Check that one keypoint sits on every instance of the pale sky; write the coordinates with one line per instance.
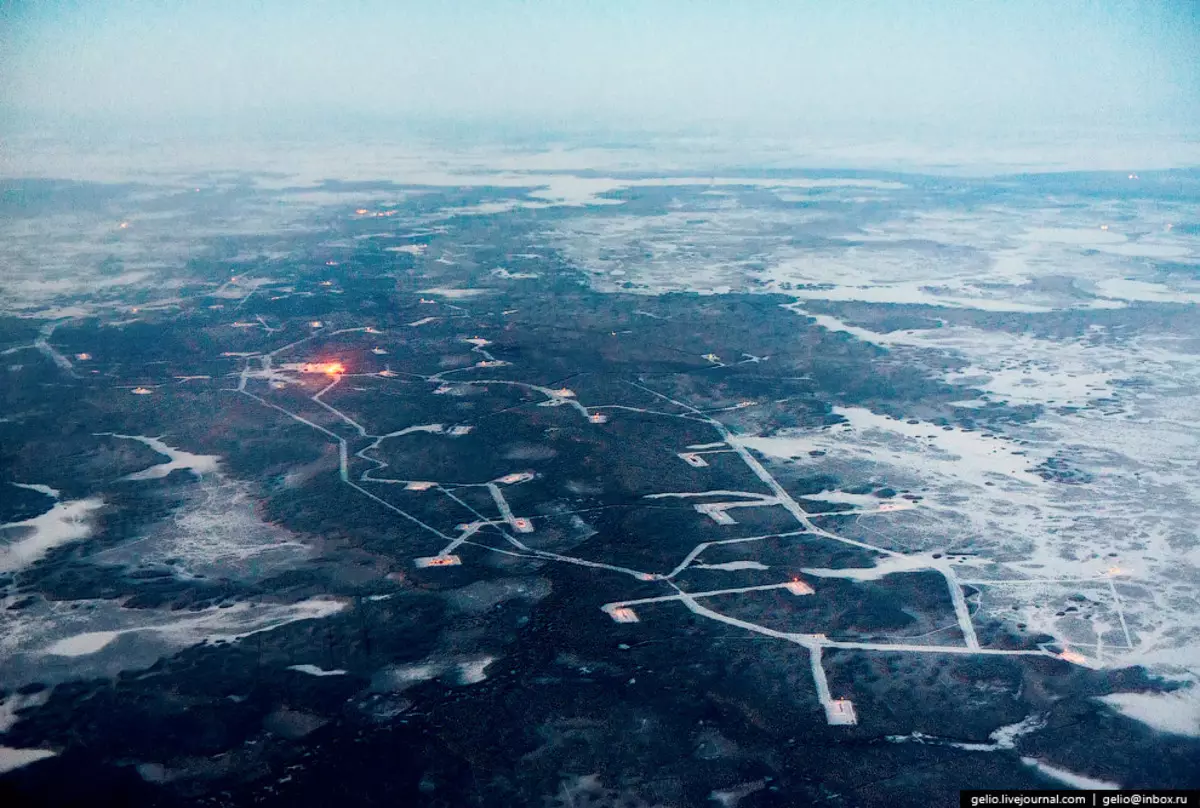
(747, 64)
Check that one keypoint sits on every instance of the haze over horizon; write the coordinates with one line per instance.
(919, 72)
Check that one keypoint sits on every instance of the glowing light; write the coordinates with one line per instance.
(623, 614)
(124, 225)
(1134, 177)
(437, 561)
(798, 587)
(82, 357)
(522, 525)
(598, 418)
(1073, 657)
(327, 283)
(419, 485)
(711, 357)
(564, 392)
(317, 324)
(1103, 227)
(361, 211)
(141, 391)
(1115, 571)
(328, 368)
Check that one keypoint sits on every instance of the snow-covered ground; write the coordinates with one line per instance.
(1105, 556)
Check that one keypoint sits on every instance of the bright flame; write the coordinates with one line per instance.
(361, 211)
(124, 225)
(333, 369)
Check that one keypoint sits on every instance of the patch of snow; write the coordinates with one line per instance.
(197, 464)
(66, 522)
(82, 644)
(732, 566)
(1177, 712)
(11, 758)
(1070, 778)
(313, 670)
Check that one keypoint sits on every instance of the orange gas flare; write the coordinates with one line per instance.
(333, 369)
